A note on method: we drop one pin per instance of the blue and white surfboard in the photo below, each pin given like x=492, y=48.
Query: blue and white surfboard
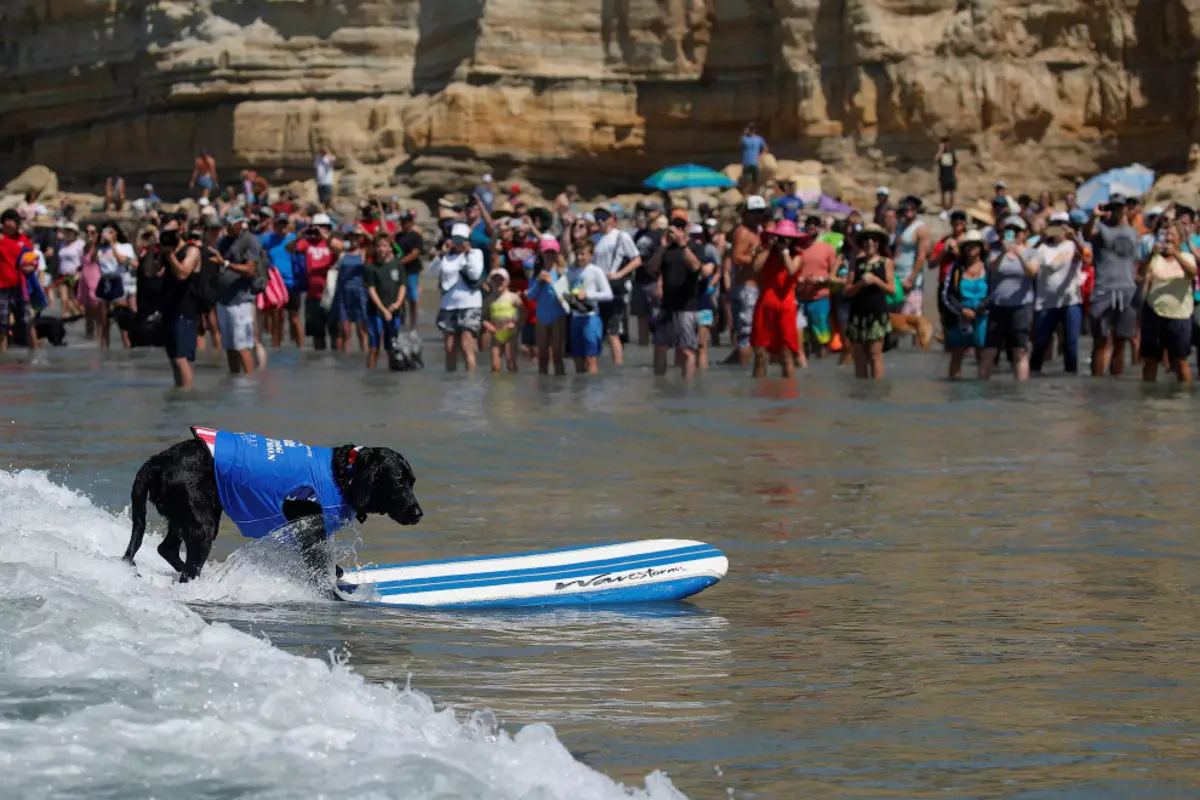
x=635, y=572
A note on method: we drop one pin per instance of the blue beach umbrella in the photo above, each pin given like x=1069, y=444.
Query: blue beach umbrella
x=688, y=176
x=1134, y=180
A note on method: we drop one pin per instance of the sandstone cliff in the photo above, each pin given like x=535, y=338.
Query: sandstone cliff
x=599, y=91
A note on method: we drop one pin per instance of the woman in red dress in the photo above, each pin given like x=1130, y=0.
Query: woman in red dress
x=775, y=330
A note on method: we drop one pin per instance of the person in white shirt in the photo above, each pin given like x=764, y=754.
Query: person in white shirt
x=459, y=268
x=70, y=259
x=1058, y=293
x=589, y=288
x=323, y=165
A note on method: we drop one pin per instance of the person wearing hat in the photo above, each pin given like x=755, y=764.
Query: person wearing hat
x=460, y=271
x=741, y=281
x=180, y=259
x=870, y=282
x=882, y=195
x=1058, y=293
x=545, y=290
x=912, y=248
x=1012, y=267
x=502, y=318
x=1113, y=314
x=775, y=331
x=235, y=292
x=317, y=250
x=619, y=258
x=964, y=321
x=643, y=303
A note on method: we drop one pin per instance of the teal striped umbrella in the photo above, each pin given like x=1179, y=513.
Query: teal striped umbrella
x=688, y=176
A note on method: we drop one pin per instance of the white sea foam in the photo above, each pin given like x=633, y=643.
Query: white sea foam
x=110, y=686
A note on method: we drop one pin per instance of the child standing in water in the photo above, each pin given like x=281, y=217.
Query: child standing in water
x=502, y=318
x=589, y=288
x=551, y=316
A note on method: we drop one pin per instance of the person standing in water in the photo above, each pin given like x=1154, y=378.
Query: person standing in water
x=743, y=278
x=871, y=281
x=963, y=294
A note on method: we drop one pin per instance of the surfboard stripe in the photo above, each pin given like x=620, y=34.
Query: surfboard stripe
x=534, y=576
x=643, y=593
x=473, y=559
x=597, y=564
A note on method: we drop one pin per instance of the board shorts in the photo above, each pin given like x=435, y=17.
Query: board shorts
x=642, y=301
x=614, y=316
x=457, y=320
x=110, y=289
x=1009, y=327
x=677, y=329
x=1172, y=337
x=324, y=193
x=819, y=332
x=776, y=326
x=412, y=285
x=750, y=172
x=179, y=338
x=12, y=301
x=586, y=335
x=237, y=326
x=1114, y=313
x=205, y=182
x=380, y=332
x=743, y=300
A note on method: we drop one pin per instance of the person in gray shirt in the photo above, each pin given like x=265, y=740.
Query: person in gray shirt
x=235, y=294
x=1113, y=315
x=1012, y=268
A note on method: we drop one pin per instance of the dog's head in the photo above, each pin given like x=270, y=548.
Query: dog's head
x=382, y=483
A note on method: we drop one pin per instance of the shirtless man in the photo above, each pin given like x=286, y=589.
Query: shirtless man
x=204, y=175
x=740, y=279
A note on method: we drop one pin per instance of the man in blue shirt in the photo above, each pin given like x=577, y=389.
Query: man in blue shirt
x=753, y=146
x=486, y=192
x=788, y=203
x=275, y=243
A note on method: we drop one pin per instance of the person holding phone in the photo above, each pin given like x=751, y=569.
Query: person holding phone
x=774, y=330
x=1166, y=283
x=679, y=265
x=1012, y=269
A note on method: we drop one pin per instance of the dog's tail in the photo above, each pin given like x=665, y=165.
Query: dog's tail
x=137, y=499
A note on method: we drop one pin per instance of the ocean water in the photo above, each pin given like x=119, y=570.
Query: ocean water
x=112, y=686
x=935, y=590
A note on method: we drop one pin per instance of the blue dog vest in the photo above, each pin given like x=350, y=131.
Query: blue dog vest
x=255, y=475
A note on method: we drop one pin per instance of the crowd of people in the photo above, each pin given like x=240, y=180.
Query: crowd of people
x=248, y=268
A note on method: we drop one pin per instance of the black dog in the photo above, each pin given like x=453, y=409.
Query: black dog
x=182, y=485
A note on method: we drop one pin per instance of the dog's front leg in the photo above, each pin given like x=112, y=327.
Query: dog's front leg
x=316, y=550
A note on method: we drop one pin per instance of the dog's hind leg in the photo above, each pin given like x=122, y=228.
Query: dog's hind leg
x=169, y=549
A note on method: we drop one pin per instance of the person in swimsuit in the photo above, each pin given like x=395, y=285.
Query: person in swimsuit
x=963, y=294
x=204, y=174
x=502, y=318
x=871, y=281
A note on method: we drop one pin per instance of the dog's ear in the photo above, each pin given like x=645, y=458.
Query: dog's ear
x=366, y=467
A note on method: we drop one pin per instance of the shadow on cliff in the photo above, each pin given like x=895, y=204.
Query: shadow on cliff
x=448, y=32
x=1164, y=62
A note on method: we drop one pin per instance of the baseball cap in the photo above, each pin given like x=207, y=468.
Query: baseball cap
x=1116, y=199
x=204, y=201
x=234, y=215
x=883, y=190
x=1155, y=211
x=711, y=222
x=1014, y=221
x=755, y=203
x=460, y=231
x=602, y=213
x=1001, y=185
x=679, y=222
x=694, y=229
x=406, y=216
x=549, y=244
x=487, y=177
x=149, y=187
x=1062, y=217
x=499, y=272
x=999, y=202
x=213, y=223
x=281, y=218
x=679, y=213
x=320, y=220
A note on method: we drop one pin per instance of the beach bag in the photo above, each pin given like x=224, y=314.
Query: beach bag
x=275, y=295
x=262, y=274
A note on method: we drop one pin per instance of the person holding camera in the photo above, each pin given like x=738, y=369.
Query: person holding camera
x=459, y=268
x=180, y=256
x=679, y=265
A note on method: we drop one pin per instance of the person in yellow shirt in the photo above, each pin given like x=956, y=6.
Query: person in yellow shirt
x=1166, y=279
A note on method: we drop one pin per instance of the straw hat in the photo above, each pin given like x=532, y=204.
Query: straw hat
x=871, y=231
x=982, y=212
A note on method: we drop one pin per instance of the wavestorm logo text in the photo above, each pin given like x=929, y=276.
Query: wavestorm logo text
x=608, y=579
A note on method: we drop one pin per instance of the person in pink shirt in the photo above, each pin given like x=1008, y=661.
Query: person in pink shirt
x=818, y=270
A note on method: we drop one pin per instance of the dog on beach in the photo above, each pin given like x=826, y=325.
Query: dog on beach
x=405, y=353
x=917, y=326
x=264, y=484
